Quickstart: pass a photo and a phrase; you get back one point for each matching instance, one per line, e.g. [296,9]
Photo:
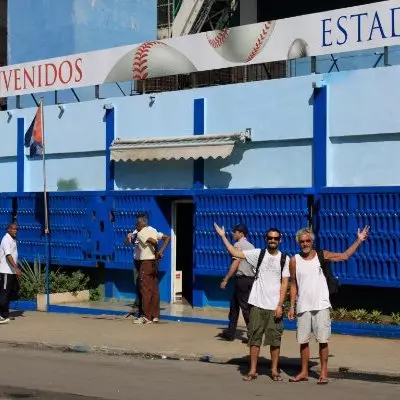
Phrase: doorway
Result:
[182,251]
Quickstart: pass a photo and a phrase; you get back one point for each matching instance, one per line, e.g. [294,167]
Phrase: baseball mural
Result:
[298,49]
[243,43]
[149,60]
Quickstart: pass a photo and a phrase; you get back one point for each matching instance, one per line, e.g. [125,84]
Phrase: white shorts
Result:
[316,322]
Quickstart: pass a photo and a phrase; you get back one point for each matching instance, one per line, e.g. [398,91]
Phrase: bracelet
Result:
[292,307]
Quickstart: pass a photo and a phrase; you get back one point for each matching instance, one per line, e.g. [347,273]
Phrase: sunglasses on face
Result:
[305,241]
[275,238]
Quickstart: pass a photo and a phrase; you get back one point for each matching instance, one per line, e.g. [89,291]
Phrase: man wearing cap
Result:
[244,278]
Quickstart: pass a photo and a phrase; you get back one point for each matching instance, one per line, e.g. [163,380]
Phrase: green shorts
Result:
[262,322]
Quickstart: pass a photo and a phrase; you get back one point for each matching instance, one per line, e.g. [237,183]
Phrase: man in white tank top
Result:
[310,288]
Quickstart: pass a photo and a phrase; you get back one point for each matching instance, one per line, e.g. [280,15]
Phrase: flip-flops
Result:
[277,378]
[250,377]
[322,381]
[295,380]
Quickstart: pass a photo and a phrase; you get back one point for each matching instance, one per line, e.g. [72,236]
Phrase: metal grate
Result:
[249,73]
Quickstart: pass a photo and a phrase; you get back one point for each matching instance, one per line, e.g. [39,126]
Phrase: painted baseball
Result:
[298,49]
[150,60]
[241,44]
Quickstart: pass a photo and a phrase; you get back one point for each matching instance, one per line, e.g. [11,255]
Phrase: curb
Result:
[338,327]
[338,373]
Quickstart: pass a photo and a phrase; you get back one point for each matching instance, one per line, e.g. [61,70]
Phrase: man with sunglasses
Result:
[266,298]
[244,278]
[309,286]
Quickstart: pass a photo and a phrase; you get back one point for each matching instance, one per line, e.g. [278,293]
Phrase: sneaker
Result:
[156,320]
[142,321]
[4,320]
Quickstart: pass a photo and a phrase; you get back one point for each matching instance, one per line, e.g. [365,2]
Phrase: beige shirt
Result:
[143,250]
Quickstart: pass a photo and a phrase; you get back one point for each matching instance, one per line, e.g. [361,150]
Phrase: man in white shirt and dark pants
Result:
[148,255]
[266,298]
[9,272]
[309,287]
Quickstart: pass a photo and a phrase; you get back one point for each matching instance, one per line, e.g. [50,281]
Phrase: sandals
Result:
[295,380]
[322,380]
[250,377]
[276,378]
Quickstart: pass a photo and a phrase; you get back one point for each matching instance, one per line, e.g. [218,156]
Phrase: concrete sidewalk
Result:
[374,358]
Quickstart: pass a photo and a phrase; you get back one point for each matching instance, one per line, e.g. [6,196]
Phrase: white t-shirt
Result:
[8,246]
[143,250]
[313,293]
[266,288]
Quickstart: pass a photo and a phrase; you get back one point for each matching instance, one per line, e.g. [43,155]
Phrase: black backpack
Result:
[261,257]
[331,280]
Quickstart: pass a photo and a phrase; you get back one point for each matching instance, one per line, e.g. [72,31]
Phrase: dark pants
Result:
[9,288]
[239,302]
[136,278]
[149,289]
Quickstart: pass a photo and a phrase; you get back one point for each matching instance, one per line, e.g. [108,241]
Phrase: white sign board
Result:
[349,29]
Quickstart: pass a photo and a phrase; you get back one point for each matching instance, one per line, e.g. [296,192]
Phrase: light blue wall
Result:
[41,29]
[364,128]
[363,135]
[279,113]
[8,153]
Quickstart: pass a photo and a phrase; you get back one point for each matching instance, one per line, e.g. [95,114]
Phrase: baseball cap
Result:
[240,228]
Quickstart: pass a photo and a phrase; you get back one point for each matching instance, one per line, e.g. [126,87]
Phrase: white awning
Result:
[175,148]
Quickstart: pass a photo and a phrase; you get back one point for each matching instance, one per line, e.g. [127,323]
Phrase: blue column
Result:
[20,154]
[110,131]
[198,129]
[320,136]
[199,298]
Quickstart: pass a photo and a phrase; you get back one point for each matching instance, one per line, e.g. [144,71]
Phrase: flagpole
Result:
[46,215]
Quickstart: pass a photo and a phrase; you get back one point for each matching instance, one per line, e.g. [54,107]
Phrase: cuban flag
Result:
[34,134]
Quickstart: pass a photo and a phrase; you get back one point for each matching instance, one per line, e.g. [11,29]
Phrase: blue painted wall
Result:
[362,115]
[364,128]
[76,26]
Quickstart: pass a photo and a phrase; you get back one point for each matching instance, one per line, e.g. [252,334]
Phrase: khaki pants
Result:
[149,289]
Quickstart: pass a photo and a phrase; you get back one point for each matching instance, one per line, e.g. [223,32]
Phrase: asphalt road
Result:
[69,376]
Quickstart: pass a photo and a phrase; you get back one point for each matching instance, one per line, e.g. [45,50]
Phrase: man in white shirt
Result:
[266,298]
[309,287]
[9,272]
[147,256]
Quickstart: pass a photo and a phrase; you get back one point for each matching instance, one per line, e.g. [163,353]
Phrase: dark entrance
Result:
[184,213]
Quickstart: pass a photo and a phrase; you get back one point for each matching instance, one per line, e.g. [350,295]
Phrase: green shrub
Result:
[375,317]
[395,319]
[359,314]
[94,294]
[342,313]
[33,281]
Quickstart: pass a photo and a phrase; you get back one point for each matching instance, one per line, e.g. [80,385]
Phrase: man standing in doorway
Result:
[309,286]
[267,297]
[148,255]
[244,278]
[9,272]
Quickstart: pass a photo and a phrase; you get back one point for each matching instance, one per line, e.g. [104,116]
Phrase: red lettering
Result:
[6,79]
[40,84]
[17,78]
[29,78]
[78,66]
[62,70]
[50,69]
